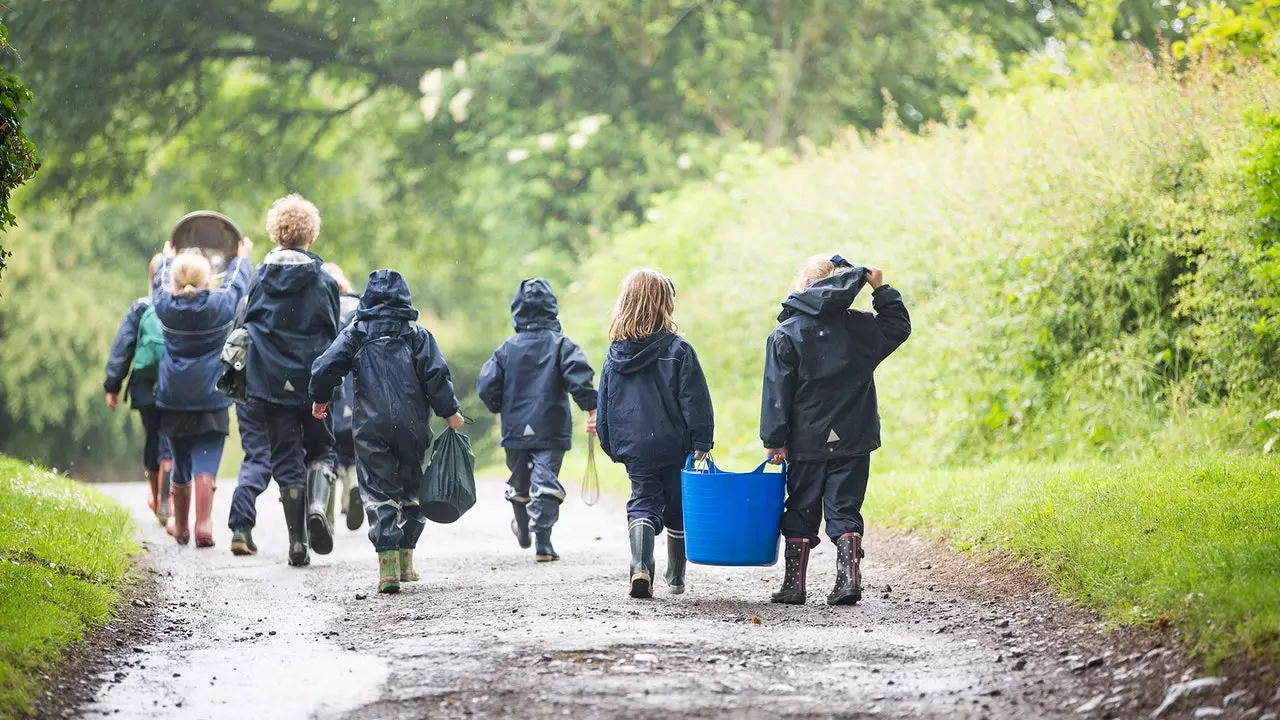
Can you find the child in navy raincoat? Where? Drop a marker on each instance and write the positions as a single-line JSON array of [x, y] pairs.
[[529, 380], [125, 359], [819, 412], [654, 410], [193, 413], [292, 316], [401, 377]]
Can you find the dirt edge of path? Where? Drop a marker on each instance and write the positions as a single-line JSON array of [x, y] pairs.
[[74, 681], [1145, 659]]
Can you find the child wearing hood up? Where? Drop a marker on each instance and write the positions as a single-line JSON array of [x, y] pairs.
[[654, 410], [819, 412], [401, 377], [528, 380]]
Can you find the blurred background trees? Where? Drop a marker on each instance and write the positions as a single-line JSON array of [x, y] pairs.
[[471, 143]]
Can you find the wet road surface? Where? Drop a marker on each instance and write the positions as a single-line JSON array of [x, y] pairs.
[[490, 633]]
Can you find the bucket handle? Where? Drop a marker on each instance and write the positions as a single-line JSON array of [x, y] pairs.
[[765, 464], [711, 464]]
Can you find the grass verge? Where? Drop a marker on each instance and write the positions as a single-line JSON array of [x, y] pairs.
[[1193, 540], [64, 553]]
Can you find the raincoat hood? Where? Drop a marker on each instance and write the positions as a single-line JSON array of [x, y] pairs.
[[386, 297], [288, 272], [632, 356], [534, 306], [828, 296]]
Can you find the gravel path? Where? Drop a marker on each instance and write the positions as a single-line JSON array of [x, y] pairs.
[[490, 633]]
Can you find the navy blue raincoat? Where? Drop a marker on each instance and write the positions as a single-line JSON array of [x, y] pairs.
[[400, 373], [530, 377], [195, 328], [142, 391], [292, 317], [819, 398], [655, 407]]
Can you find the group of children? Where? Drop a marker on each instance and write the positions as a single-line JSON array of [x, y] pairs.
[[371, 367]]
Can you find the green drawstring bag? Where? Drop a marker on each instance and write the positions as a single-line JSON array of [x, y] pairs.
[[449, 488]]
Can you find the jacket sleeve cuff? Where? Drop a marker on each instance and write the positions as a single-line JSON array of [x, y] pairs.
[[883, 286], [703, 447], [773, 446], [589, 405]]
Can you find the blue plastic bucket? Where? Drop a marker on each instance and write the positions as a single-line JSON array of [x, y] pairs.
[[732, 518]]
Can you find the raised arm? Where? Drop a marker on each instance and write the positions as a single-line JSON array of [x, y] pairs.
[[891, 317]]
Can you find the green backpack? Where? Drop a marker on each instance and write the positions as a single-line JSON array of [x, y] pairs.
[[150, 347]]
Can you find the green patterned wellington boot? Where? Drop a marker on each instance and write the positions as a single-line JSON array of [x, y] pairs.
[[388, 571], [408, 573]]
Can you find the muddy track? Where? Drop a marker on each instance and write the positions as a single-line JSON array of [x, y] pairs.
[[490, 633]]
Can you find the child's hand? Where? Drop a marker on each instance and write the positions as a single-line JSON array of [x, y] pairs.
[[113, 400], [875, 277], [456, 421], [319, 411], [777, 456], [591, 423], [246, 247], [699, 455]]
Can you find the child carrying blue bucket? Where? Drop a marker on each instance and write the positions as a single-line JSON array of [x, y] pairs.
[[819, 412], [654, 410]]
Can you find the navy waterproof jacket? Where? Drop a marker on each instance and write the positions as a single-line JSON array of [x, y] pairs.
[[530, 377], [819, 399], [195, 328], [142, 391], [400, 373], [292, 316], [344, 405], [655, 407]]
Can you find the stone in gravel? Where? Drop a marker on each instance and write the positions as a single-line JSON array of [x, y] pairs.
[[362, 596], [780, 689], [1091, 705], [888, 588], [137, 602], [1002, 623], [1177, 691], [1268, 716], [1237, 695], [926, 566], [645, 658], [1095, 662], [1020, 665], [1206, 712]]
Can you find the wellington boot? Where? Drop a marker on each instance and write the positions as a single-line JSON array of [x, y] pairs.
[[848, 589], [294, 501], [642, 563], [355, 506], [408, 573], [319, 489], [242, 542], [543, 552], [520, 524], [181, 497], [388, 571], [676, 561], [793, 579], [205, 484]]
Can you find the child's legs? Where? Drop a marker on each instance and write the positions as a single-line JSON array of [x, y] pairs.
[[380, 485], [845, 491], [673, 512], [546, 492], [150, 417], [255, 470], [412, 521], [803, 514], [182, 449], [206, 453], [319, 445], [648, 495], [344, 444], [284, 437], [520, 463]]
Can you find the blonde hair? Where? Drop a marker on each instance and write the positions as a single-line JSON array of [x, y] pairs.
[[646, 305], [335, 272], [190, 273], [814, 269], [293, 222]]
